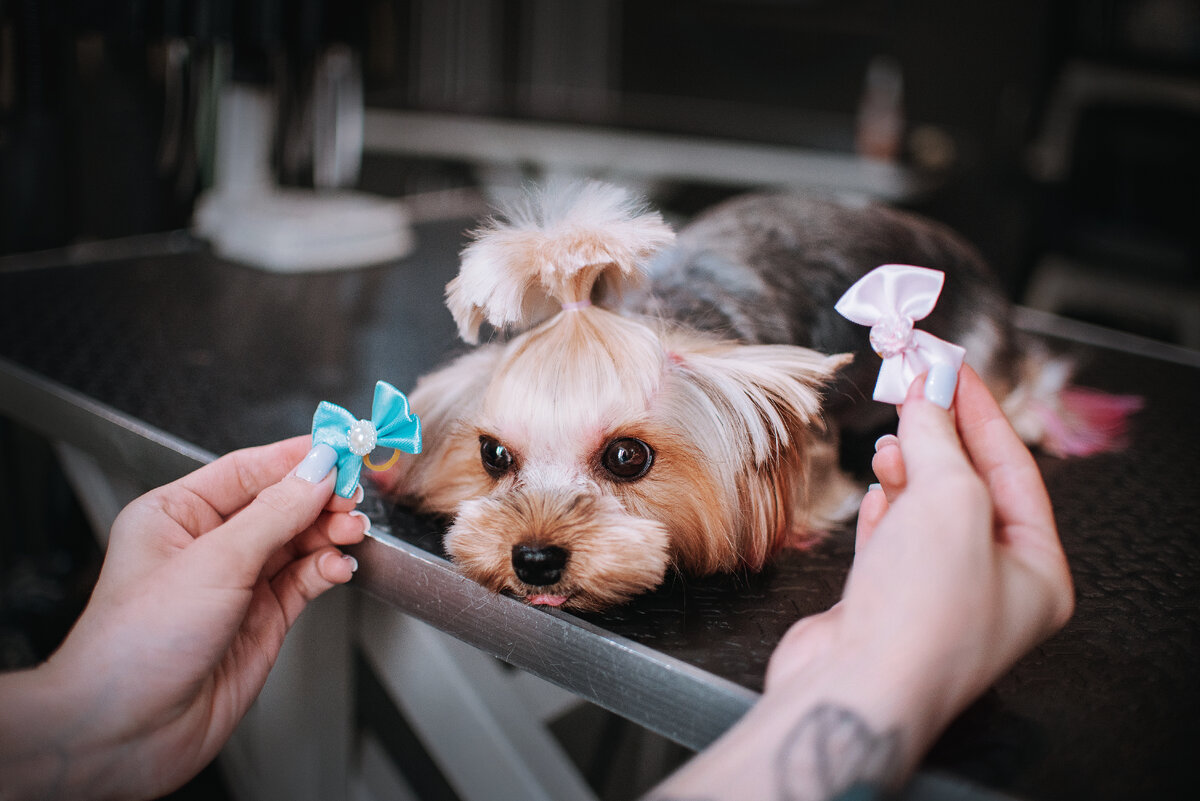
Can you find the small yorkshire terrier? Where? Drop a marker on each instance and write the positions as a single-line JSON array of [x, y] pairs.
[[652, 402]]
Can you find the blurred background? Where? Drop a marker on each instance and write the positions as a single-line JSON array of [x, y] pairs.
[[1062, 137]]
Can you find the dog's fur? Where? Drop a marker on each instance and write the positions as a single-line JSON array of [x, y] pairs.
[[729, 363]]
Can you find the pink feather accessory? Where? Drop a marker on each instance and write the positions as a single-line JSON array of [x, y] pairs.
[[1085, 422]]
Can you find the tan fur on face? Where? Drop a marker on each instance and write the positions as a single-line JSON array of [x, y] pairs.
[[448, 470], [731, 427], [577, 369], [735, 430], [612, 555]]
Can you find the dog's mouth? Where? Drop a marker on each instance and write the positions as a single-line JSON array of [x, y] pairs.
[[546, 599]]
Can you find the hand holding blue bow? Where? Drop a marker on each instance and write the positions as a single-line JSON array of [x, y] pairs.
[[392, 425]]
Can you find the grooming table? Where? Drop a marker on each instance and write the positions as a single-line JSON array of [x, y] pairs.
[[151, 355]]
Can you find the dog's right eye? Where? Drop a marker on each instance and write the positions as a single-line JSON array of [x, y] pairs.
[[627, 459], [496, 458]]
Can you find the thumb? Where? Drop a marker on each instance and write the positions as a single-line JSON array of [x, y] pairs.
[[243, 544], [928, 437]]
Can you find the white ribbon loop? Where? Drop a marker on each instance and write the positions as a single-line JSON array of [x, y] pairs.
[[890, 299]]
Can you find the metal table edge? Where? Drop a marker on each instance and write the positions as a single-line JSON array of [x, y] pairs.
[[118, 440], [1043, 323], [668, 696]]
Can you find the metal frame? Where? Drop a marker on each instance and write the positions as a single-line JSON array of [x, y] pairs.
[[140, 451], [667, 696]]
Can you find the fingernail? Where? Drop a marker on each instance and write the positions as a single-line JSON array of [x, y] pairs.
[[887, 440], [358, 494], [317, 464], [873, 487], [366, 521], [350, 560], [940, 383]]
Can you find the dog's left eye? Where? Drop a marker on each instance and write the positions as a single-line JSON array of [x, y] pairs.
[[627, 459], [496, 458]]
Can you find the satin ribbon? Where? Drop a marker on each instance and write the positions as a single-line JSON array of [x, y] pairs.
[[392, 425], [890, 299]]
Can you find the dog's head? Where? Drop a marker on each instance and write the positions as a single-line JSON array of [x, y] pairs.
[[583, 457]]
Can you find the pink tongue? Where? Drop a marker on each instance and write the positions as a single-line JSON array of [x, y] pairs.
[[547, 600]]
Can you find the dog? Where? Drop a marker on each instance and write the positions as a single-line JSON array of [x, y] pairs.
[[649, 402]]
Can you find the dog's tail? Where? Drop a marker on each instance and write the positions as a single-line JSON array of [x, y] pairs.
[[1064, 419], [557, 247]]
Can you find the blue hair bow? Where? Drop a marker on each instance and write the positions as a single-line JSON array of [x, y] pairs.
[[392, 425]]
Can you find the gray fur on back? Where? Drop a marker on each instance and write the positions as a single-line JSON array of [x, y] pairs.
[[768, 269]]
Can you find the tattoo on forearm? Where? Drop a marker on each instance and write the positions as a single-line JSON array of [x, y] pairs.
[[831, 751], [831, 754]]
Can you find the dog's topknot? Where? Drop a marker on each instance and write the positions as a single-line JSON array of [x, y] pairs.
[[563, 244]]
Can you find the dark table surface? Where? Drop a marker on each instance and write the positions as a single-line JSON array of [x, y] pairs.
[[218, 356]]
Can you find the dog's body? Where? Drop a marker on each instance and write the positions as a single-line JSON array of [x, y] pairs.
[[680, 422], [768, 269]]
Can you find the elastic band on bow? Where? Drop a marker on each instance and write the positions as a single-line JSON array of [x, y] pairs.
[[392, 425], [890, 299]]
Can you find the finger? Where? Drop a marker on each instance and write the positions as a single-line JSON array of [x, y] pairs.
[[339, 528], [276, 605], [1004, 463], [345, 529], [888, 466], [928, 438], [872, 509], [330, 529], [305, 579], [234, 480], [339, 504], [243, 544]]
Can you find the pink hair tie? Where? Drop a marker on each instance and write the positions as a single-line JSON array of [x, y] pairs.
[[576, 305]]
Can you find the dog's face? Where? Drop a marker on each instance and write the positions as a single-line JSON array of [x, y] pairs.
[[584, 458]]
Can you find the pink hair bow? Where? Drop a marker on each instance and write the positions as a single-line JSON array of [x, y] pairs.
[[890, 299]]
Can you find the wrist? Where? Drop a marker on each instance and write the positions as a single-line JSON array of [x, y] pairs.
[[890, 699], [48, 742], [909, 672], [859, 714]]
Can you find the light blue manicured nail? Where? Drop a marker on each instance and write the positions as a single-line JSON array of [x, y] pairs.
[[940, 383], [886, 439], [317, 464], [873, 487]]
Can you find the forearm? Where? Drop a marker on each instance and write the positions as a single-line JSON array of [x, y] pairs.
[[45, 749], [845, 723]]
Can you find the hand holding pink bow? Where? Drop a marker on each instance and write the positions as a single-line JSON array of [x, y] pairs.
[[890, 299]]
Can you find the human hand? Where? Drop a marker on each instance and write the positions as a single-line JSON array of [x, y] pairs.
[[202, 580], [958, 572], [958, 568]]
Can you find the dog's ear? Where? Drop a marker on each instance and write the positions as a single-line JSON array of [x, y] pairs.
[[443, 399], [755, 410], [767, 392]]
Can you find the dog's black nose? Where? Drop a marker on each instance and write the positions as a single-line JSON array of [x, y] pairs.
[[539, 566]]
